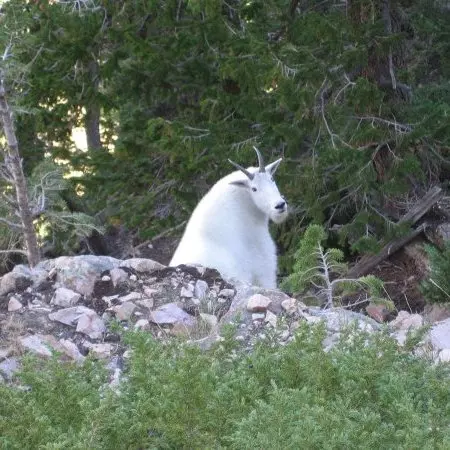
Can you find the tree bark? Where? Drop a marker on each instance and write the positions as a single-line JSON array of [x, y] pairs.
[[92, 118], [13, 163]]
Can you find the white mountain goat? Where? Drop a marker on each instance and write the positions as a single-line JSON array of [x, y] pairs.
[[229, 228]]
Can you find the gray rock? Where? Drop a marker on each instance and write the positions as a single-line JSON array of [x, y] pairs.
[[35, 344], [118, 276], [130, 297], [11, 281], [142, 265], [80, 273], [70, 316], [171, 314], [226, 293], [65, 297], [142, 324], [91, 325], [406, 321], [9, 367], [14, 305], [71, 350], [440, 335], [124, 311], [187, 291], [201, 289], [258, 303]]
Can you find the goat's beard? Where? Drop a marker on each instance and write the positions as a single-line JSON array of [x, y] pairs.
[[279, 217]]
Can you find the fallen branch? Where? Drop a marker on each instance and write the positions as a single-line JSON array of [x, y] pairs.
[[368, 262]]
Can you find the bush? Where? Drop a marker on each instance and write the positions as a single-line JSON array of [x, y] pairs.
[[364, 393]]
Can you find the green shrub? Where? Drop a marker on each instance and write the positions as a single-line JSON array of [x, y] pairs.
[[436, 288], [364, 393]]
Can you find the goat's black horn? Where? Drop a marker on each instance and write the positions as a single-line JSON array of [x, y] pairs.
[[249, 175], [260, 160]]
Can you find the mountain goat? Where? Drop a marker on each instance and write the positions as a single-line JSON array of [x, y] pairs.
[[229, 228]]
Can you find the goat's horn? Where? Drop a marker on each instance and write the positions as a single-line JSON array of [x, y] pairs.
[[260, 160], [249, 175]]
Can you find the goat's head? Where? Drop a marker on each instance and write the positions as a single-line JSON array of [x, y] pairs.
[[263, 189]]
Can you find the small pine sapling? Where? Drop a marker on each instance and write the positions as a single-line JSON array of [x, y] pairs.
[[324, 271]]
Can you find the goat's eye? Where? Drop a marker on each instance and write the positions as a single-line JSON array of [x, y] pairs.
[[254, 189]]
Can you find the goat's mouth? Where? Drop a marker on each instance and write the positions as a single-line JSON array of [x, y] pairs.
[[280, 215]]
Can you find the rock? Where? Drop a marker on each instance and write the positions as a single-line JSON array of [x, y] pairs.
[[377, 312], [106, 278], [130, 297], [9, 367], [80, 273], [149, 292], [271, 319], [102, 350], [444, 355], [124, 311], [290, 306], [201, 289], [436, 312], [70, 316], [65, 297], [439, 234], [14, 305], [440, 335], [35, 344], [13, 282], [183, 328], [187, 291], [258, 317], [71, 350], [170, 314], [226, 293], [146, 303], [406, 321], [258, 303], [142, 265], [118, 276], [91, 325], [142, 324]]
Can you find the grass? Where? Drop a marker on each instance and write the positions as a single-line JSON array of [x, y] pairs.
[[365, 393]]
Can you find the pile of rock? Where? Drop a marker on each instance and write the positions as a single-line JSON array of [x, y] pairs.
[[68, 305]]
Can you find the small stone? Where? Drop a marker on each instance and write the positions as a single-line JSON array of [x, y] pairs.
[[91, 325], [313, 319], [289, 305], [118, 276], [182, 329], [142, 324], [14, 305], [142, 265], [71, 350], [444, 355], [258, 303], [131, 297], [124, 311], [440, 335], [405, 321], [65, 297], [284, 335], [377, 312], [102, 350], [146, 303], [226, 293], [133, 277], [258, 317], [271, 319], [149, 292], [35, 344], [170, 314], [187, 292], [9, 367], [201, 289], [106, 278]]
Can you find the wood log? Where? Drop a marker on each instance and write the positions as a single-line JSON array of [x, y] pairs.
[[368, 262]]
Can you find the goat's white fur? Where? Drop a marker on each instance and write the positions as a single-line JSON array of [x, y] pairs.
[[229, 228]]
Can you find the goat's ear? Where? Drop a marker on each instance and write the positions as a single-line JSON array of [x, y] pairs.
[[240, 183], [272, 167]]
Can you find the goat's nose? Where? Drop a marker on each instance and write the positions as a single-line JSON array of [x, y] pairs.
[[280, 205]]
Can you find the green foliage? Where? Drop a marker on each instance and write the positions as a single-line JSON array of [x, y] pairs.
[[324, 270], [436, 288], [364, 393]]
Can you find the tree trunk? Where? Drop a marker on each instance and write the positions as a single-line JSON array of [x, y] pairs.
[[92, 118], [14, 165]]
